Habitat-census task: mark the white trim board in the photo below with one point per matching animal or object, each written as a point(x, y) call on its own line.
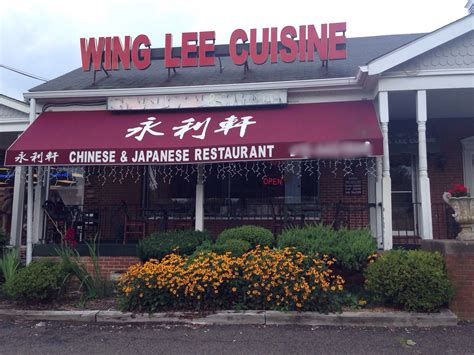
point(425, 83)
point(420, 45)
point(14, 104)
point(14, 125)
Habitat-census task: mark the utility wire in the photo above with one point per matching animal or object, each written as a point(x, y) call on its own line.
point(23, 72)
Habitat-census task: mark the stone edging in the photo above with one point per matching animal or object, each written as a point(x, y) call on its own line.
point(369, 319)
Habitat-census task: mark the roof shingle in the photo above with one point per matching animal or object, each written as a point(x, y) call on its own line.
point(360, 51)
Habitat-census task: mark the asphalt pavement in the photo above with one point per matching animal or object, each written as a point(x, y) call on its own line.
point(33, 337)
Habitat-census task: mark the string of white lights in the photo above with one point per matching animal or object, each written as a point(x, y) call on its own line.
point(68, 175)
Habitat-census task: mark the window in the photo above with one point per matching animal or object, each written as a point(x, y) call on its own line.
point(66, 186)
point(259, 195)
point(243, 193)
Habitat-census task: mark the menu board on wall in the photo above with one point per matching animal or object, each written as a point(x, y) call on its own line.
point(352, 185)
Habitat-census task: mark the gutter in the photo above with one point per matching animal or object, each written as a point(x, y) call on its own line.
point(322, 84)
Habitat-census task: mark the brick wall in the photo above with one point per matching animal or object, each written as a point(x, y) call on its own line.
point(355, 213)
point(445, 168)
point(96, 192)
point(459, 258)
point(108, 264)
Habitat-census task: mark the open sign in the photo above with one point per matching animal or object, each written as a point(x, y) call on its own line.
point(273, 181)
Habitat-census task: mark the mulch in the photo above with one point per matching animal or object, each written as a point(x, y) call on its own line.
point(70, 302)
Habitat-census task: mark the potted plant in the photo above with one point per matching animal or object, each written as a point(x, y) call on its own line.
point(463, 205)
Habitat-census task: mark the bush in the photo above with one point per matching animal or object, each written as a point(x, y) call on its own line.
point(255, 235)
point(260, 279)
point(289, 280)
point(235, 247)
point(177, 282)
point(38, 282)
point(158, 245)
point(310, 239)
point(414, 280)
point(351, 248)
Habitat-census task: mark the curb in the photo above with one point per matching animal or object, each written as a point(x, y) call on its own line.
point(367, 319)
point(69, 316)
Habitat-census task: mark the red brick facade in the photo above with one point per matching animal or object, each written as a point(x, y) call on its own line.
point(446, 167)
point(459, 258)
point(108, 264)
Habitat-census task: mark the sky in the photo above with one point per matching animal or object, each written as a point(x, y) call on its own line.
point(42, 36)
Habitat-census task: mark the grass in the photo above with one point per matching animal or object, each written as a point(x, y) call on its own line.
point(9, 263)
point(94, 284)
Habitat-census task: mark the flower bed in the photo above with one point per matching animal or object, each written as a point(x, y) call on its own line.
point(263, 278)
point(324, 271)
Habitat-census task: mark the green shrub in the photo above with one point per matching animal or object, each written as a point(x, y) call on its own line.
point(235, 247)
point(310, 239)
point(40, 281)
point(414, 280)
point(254, 235)
point(158, 245)
point(204, 248)
point(351, 248)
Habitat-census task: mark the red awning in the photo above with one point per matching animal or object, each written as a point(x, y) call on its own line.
point(327, 130)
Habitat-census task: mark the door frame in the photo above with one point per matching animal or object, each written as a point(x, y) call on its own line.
point(414, 199)
point(467, 159)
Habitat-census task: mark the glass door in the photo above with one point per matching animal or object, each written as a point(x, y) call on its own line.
point(404, 207)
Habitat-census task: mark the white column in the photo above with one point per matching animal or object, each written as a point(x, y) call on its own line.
point(424, 193)
point(386, 180)
point(40, 198)
point(17, 207)
point(375, 201)
point(378, 202)
point(29, 207)
point(372, 198)
point(199, 217)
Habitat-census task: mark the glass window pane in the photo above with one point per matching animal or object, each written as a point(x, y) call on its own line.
point(401, 172)
point(402, 211)
point(66, 187)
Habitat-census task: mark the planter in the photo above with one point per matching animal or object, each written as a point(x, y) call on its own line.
point(463, 214)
